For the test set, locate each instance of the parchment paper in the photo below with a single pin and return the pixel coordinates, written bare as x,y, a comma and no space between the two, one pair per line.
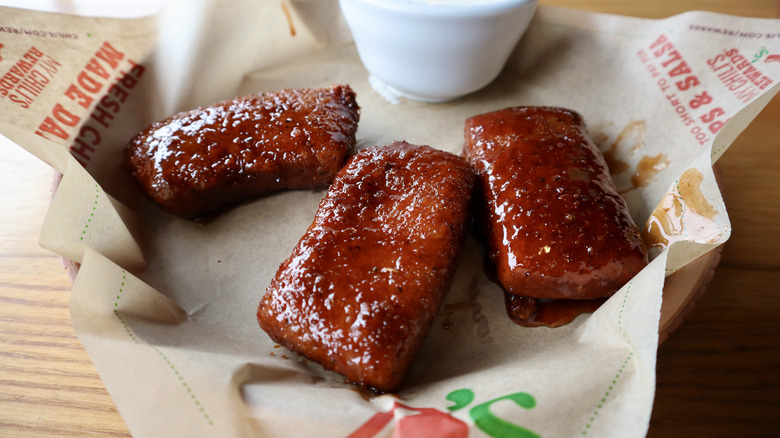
166,307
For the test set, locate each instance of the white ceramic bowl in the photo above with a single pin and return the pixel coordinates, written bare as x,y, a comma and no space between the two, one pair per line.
436,50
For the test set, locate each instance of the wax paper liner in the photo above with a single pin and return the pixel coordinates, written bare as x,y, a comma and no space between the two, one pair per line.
166,307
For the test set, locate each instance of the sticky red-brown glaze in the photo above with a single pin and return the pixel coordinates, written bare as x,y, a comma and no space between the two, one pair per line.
362,287
555,225
200,161
535,312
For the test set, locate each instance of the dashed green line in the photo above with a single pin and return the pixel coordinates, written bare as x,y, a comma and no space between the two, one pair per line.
121,289
611,387
165,358
184,384
126,327
713,153
623,306
116,313
606,395
92,213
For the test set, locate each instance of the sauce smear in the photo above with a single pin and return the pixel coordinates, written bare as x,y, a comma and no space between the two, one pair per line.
532,312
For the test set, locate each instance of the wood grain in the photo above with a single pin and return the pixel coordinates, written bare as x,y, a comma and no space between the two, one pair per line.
48,386
716,376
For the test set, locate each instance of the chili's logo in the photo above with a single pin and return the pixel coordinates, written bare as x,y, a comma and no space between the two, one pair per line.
417,422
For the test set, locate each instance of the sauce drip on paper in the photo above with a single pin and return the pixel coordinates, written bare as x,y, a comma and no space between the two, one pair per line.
635,129
683,214
647,169
289,19
631,137
448,310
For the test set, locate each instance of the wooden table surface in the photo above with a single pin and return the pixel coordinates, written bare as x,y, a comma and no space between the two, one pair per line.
717,375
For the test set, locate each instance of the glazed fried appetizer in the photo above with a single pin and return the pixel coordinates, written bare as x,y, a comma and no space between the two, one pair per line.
555,225
198,162
362,287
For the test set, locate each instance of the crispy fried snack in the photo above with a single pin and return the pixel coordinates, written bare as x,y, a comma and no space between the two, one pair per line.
362,287
555,225
198,162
